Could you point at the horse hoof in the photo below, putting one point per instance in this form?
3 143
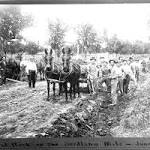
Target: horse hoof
48 98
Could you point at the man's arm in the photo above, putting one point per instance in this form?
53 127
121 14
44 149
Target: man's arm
35 68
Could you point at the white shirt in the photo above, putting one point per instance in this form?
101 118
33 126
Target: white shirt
93 70
31 66
116 72
127 70
135 66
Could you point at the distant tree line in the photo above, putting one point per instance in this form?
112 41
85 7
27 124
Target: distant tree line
12 22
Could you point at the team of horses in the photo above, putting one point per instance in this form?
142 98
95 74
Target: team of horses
64 72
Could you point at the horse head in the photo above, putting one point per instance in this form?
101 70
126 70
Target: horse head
49 59
66 57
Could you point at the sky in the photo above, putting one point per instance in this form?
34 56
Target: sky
127 21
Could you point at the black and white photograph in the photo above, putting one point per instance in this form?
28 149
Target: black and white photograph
78 70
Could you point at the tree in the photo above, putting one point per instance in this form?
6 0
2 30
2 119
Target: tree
57 32
11 23
87 37
127 48
147 48
32 48
139 47
114 45
15 47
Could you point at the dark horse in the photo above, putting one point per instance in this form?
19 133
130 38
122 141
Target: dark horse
52 71
71 73
13 69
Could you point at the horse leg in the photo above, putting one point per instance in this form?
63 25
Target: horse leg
78 88
43 75
54 90
71 90
48 89
74 90
60 88
40 76
65 87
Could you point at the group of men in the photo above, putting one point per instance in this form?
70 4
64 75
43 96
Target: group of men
115 74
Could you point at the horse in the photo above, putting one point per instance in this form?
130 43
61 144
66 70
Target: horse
52 71
40 69
13 69
71 73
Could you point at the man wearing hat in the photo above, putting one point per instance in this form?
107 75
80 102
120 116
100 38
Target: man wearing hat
128 75
105 76
31 70
116 74
112 63
92 75
135 69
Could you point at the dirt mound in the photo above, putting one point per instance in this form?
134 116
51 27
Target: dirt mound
88 118
136 117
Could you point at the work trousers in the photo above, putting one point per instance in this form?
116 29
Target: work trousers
32 78
114 88
92 83
126 82
107 81
137 75
120 85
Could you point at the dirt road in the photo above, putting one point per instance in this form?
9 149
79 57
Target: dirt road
24 111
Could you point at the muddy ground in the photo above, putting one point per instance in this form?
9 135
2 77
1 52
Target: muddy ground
25 112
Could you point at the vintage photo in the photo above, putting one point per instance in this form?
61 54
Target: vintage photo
74 70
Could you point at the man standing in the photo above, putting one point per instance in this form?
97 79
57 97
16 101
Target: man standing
105 70
144 69
116 74
31 70
2 71
128 75
92 75
135 69
120 77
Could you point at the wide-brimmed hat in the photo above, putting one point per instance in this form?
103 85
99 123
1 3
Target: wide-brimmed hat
31 59
93 58
136 59
124 60
112 60
130 58
104 61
